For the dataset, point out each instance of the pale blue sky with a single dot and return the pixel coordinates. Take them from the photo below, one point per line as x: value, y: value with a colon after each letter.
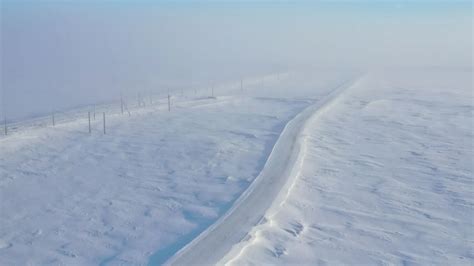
x: 57, y: 53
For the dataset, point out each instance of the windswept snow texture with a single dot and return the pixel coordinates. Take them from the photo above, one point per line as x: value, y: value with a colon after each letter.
x: 76, y: 199
x: 148, y: 187
x: 385, y: 177
x: 249, y: 209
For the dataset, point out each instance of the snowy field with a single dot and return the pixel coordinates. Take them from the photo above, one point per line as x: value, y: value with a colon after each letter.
x: 152, y: 184
x: 384, y: 176
x: 236, y: 132
x: 333, y: 168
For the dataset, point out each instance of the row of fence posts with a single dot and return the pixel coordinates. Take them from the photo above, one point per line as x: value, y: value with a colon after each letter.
x: 90, y: 127
x: 123, y: 107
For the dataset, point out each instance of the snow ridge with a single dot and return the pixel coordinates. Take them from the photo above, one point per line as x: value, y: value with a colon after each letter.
x: 301, y: 142
x: 249, y: 209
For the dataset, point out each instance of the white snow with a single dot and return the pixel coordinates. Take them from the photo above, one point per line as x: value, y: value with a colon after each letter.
x: 147, y: 188
x: 250, y: 207
x: 287, y: 171
x: 385, y: 176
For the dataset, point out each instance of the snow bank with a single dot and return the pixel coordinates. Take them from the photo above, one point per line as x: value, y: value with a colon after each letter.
x: 147, y: 188
x: 250, y: 207
x: 385, y: 177
x: 156, y: 179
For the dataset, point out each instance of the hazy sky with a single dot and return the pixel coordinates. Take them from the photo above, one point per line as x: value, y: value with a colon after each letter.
x: 60, y: 53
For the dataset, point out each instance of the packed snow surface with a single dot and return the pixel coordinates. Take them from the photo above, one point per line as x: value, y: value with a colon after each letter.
x: 250, y: 207
x: 379, y: 171
x: 150, y: 185
x: 384, y: 176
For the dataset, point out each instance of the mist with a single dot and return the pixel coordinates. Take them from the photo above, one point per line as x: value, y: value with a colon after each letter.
x: 61, y: 54
x: 236, y: 132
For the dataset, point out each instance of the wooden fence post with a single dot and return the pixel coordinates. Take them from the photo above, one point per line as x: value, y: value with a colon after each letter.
x: 104, y: 123
x: 169, y: 103
x: 90, y: 129
x: 121, y: 102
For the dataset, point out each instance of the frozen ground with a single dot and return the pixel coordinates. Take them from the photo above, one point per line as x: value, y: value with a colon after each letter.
x: 148, y: 187
x: 249, y: 209
x: 384, y: 176
x: 379, y: 171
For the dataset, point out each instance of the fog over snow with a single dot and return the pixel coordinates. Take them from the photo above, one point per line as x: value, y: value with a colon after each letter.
x: 59, y: 54
x: 236, y: 132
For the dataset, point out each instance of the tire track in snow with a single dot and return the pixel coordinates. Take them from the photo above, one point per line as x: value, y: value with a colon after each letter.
x: 249, y: 209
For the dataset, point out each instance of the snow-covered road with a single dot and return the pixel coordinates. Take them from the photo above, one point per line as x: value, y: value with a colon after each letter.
x: 384, y: 177
x: 153, y: 182
x: 250, y: 208
x: 147, y: 188
x: 288, y: 171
